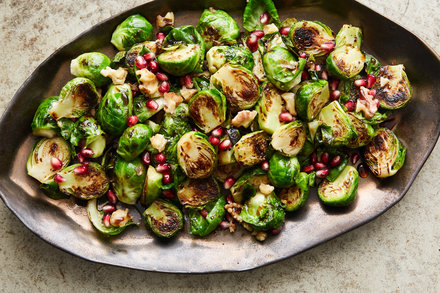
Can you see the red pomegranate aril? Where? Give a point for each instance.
(308, 169)
(152, 105)
(187, 81)
(285, 31)
(328, 46)
(56, 163)
(360, 82)
(325, 158)
(111, 197)
(322, 173)
(160, 36)
(146, 159)
(140, 62)
(371, 80)
(204, 213)
(264, 18)
(224, 225)
(324, 75)
(304, 75)
(252, 42)
(302, 55)
(355, 158)
(58, 178)
(168, 194)
(335, 95)
(372, 92)
(153, 66)
(160, 158)
(319, 166)
(350, 105)
(217, 132)
(229, 182)
(109, 208)
(164, 87)
(80, 170)
(286, 117)
(149, 56)
(132, 120)
(87, 153)
(363, 171)
(259, 34)
(276, 231)
(161, 76)
(318, 67)
(334, 83)
(314, 158)
(80, 158)
(214, 140)
(106, 220)
(335, 161)
(163, 168)
(225, 145)
(167, 179)
(265, 165)
(229, 198)
(85, 163)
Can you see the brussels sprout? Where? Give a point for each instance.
(76, 98)
(251, 148)
(293, 197)
(372, 65)
(115, 108)
(203, 226)
(217, 27)
(141, 110)
(338, 128)
(51, 190)
(96, 216)
(89, 65)
(364, 132)
(66, 127)
(39, 163)
(283, 170)
(349, 36)
(134, 141)
(196, 156)
(253, 11)
(220, 55)
(282, 68)
(134, 29)
(248, 184)
(43, 124)
(289, 139)
(198, 192)
(269, 41)
(345, 62)
(163, 218)
(89, 185)
(88, 134)
(208, 109)
(239, 86)
(128, 179)
(263, 212)
(223, 172)
(385, 154)
(392, 87)
(342, 191)
(308, 37)
(269, 108)
(310, 98)
(152, 186)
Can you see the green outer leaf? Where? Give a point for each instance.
(134, 29)
(201, 226)
(334, 172)
(142, 111)
(52, 190)
(89, 65)
(283, 170)
(134, 141)
(86, 130)
(253, 10)
(43, 124)
(66, 127)
(128, 179)
(372, 65)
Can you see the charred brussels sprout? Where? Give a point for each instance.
(392, 87)
(128, 179)
(289, 139)
(248, 184)
(251, 149)
(345, 62)
(43, 124)
(196, 156)
(134, 141)
(96, 216)
(163, 218)
(310, 98)
(269, 108)
(342, 191)
(134, 29)
(283, 170)
(239, 86)
(92, 183)
(308, 37)
(254, 9)
(89, 65)
(152, 186)
(88, 134)
(385, 154)
(198, 192)
(208, 109)
(364, 131)
(338, 128)
(293, 197)
(115, 108)
(220, 55)
(76, 98)
(217, 27)
(141, 110)
(282, 68)
(203, 226)
(349, 36)
(44, 150)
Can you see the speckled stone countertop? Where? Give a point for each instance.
(399, 251)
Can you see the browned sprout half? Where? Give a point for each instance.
(198, 192)
(251, 149)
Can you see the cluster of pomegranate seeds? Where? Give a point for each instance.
(322, 165)
(286, 117)
(152, 105)
(229, 182)
(56, 163)
(132, 120)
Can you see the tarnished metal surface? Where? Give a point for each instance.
(64, 223)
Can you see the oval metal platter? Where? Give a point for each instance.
(64, 223)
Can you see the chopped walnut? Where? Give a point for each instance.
(119, 218)
(172, 100)
(149, 83)
(366, 103)
(244, 118)
(158, 142)
(187, 93)
(258, 69)
(234, 209)
(266, 189)
(118, 76)
(270, 29)
(261, 236)
(153, 46)
(289, 98)
(163, 21)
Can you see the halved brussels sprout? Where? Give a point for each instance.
(196, 156)
(141, 110)
(183, 60)
(364, 132)
(163, 218)
(152, 186)
(254, 9)
(263, 212)
(134, 141)
(308, 36)
(43, 124)
(76, 98)
(51, 190)
(39, 163)
(128, 179)
(115, 108)
(218, 56)
(293, 197)
(208, 109)
(338, 128)
(342, 191)
(282, 68)
(89, 185)
(283, 170)
(269, 108)
(310, 98)
(385, 154)
(239, 86)
(217, 27)
(289, 139)
(392, 87)
(345, 62)
(248, 184)
(251, 149)
(134, 29)
(198, 192)
(88, 134)
(223, 172)
(203, 226)
(89, 65)
(349, 35)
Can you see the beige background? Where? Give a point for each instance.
(399, 251)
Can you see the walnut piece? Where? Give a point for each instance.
(149, 84)
(172, 100)
(367, 103)
(289, 98)
(163, 21)
(158, 142)
(118, 76)
(266, 189)
(244, 118)
(187, 93)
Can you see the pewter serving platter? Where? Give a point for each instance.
(64, 223)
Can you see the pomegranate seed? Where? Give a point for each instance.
(325, 158)
(303, 55)
(355, 158)
(314, 158)
(335, 95)
(265, 165)
(371, 80)
(252, 42)
(229, 198)
(106, 220)
(187, 81)
(204, 213)
(85, 163)
(229, 182)
(217, 132)
(322, 173)
(149, 56)
(334, 83)
(80, 158)
(350, 105)
(167, 178)
(304, 76)
(214, 140)
(276, 231)
(224, 225)
(87, 153)
(109, 208)
(319, 166)
(160, 36)
(132, 120)
(146, 159)
(286, 117)
(363, 171)
(140, 62)
(308, 169)
(335, 161)
(360, 82)
(225, 145)
(160, 158)
(164, 87)
(258, 34)
(318, 67)
(153, 66)
(264, 18)
(111, 197)
(372, 92)
(324, 75)
(163, 168)
(285, 31)
(328, 46)
(58, 178)
(152, 105)
(80, 170)
(56, 163)
(161, 76)
(168, 193)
